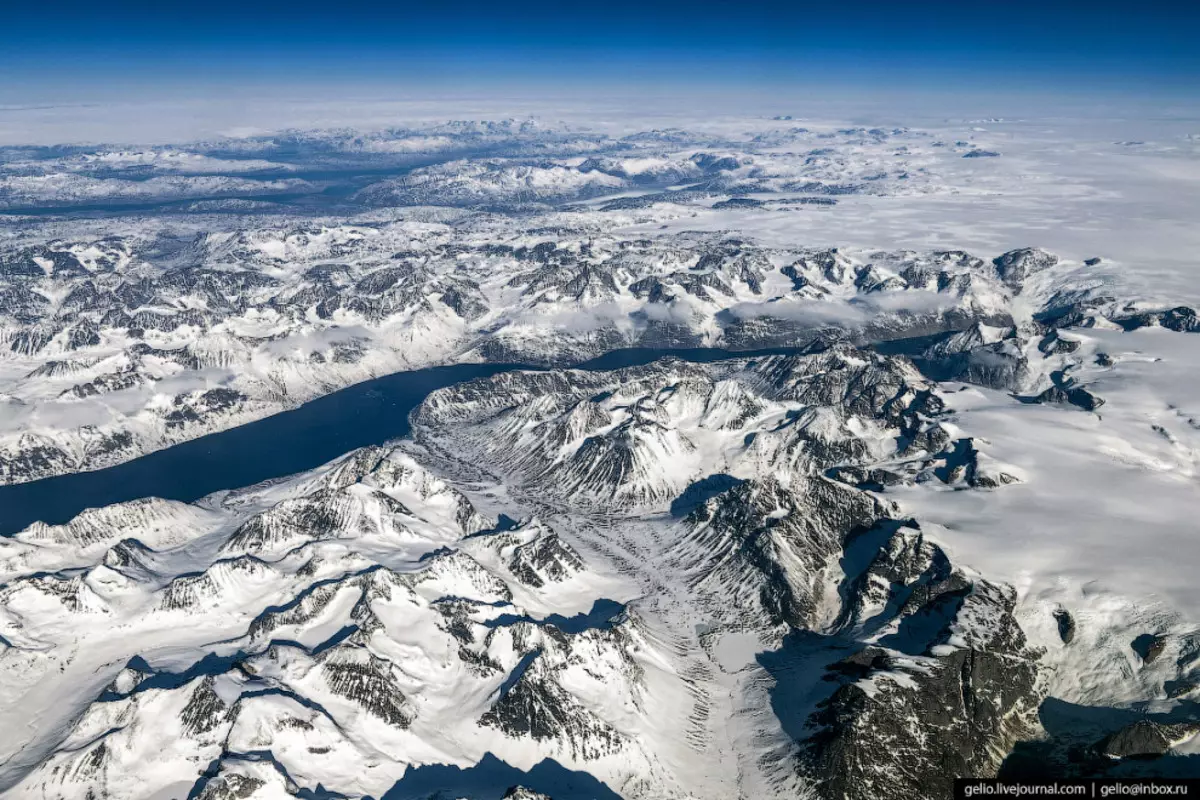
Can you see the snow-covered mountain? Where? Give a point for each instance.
(349, 624)
(377, 619)
(117, 346)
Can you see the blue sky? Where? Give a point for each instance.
(55, 49)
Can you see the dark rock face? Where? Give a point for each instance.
(737, 261)
(231, 787)
(902, 563)
(358, 675)
(981, 154)
(971, 356)
(1181, 319)
(1016, 265)
(84, 334)
(546, 558)
(961, 710)
(961, 463)
(705, 286)
(1066, 625)
(737, 202)
(1149, 647)
(196, 408)
(701, 491)
(711, 162)
(521, 793)
(1054, 343)
(31, 341)
(112, 382)
(1086, 741)
(1146, 738)
(774, 541)
(1073, 395)
(535, 706)
(1075, 308)
(871, 478)
(989, 482)
(313, 516)
(205, 710)
(38, 459)
(947, 695)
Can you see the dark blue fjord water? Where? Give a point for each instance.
(490, 778)
(293, 441)
(605, 613)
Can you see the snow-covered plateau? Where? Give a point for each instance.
(946, 528)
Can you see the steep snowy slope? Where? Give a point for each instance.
(401, 625)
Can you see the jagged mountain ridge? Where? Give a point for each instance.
(328, 656)
(145, 358)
